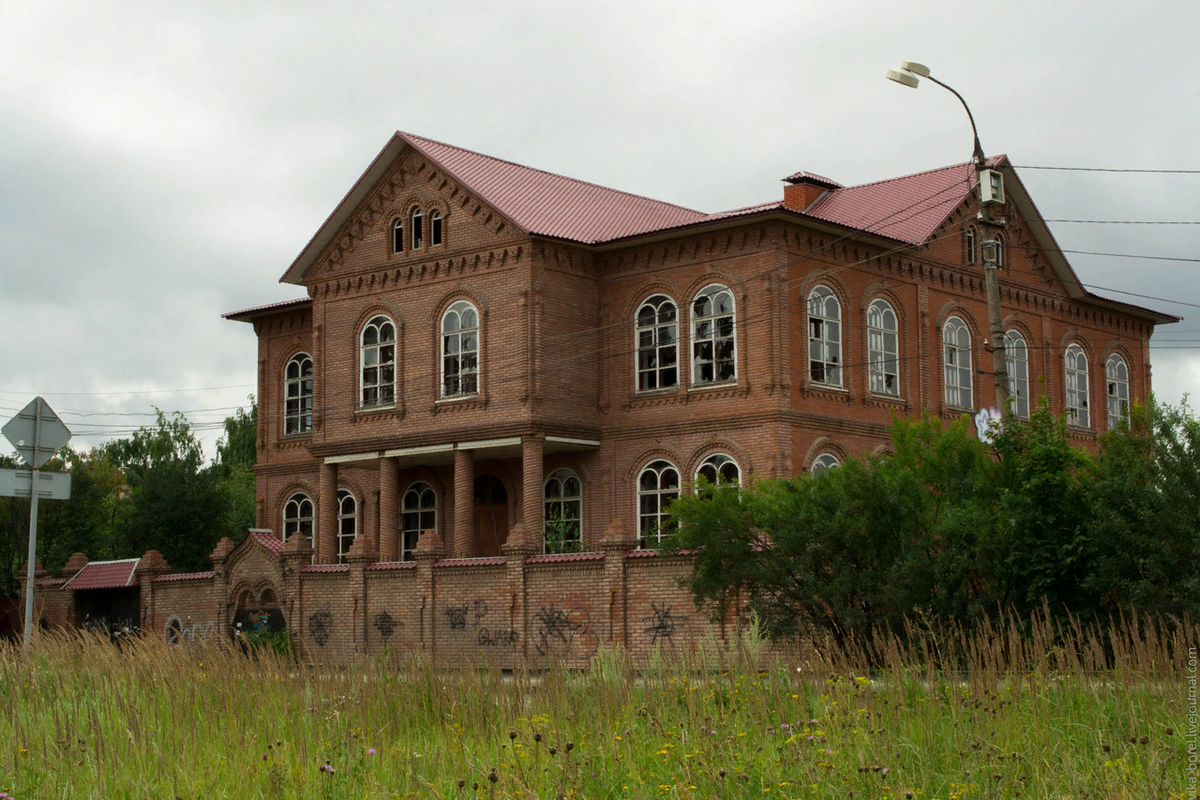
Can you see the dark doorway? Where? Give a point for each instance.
(112, 611)
(491, 516)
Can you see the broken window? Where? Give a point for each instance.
(657, 344)
(1118, 391)
(969, 246)
(298, 517)
(347, 523)
(378, 362)
(435, 228)
(398, 236)
(956, 357)
(563, 505)
(720, 470)
(1016, 359)
(883, 348)
(824, 337)
(713, 349)
(823, 462)
(298, 395)
(416, 228)
(460, 350)
(658, 485)
(418, 513)
(1076, 364)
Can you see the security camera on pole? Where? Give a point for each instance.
(991, 193)
(38, 434)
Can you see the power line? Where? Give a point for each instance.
(1124, 221)
(1111, 169)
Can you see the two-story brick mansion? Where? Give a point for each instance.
(484, 344)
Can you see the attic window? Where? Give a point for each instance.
(435, 228)
(398, 236)
(416, 229)
(970, 246)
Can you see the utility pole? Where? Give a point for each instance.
(990, 192)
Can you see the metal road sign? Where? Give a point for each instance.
(37, 433)
(51, 485)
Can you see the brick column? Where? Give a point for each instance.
(362, 552)
(616, 543)
(221, 585)
(150, 567)
(533, 476)
(519, 546)
(429, 549)
(389, 510)
(464, 504)
(327, 516)
(296, 553)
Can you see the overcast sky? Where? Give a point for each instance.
(163, 163)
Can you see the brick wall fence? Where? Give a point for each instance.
(521, 608)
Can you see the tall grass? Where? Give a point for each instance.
(1026, 709)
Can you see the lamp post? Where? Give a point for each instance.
(990, 185)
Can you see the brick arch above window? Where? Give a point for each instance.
(882, 290)
(460, 291)
(821, 446)
(638, 462)
(707, 279)
(830, 279)
(660, 286)
(956, 309)
(712, 447)
(285, 494)
(377, 308)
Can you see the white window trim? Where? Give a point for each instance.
(362, 352)
(880, 365)
(1011, 364)
(957, 322)
(637, 348)
(711, 460)
(710, 290)
(343, 495)
(288, 381)
(822, 294)
(425, 485)
(561, 474)
(458, 307)
(823, 462)
(1110, 381)
(416, 239)
(644, 543)
(1073, 375)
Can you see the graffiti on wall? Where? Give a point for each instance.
(471, 616)
(320, 627)
(179, 632)
(564, 632)
(386, 624)
(661, 625)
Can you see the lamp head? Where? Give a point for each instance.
(903, 78)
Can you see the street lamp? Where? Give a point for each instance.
(991, 193)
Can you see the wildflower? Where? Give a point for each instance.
(371, 751)
(264, 756)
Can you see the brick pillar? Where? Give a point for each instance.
(519, 546)
(327, 516)
(616, 543)
(221, 584)
(296, 553)
(429, 549)
(533, 476)
(362, 553)
(150, 567)
(464, 504)
(389, 510)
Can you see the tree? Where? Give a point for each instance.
(234, 470)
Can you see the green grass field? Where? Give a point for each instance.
(1051, 714)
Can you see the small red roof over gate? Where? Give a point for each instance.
(105, 575)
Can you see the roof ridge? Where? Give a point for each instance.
(992, 161)
(408, 135)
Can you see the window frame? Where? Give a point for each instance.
(436, 228)
(345, 496)
(419, 489)
(656, 348)
(303, 413)
(1076, 387)
(398, 235)
(819, 326)
(956, 323)
(659, 467)
(823, 462)
(879, 357)
(297, 523)
(563, 475)
(969, 246)
(416, 232)
(1020, 403)
(382, 389)
(459, 308)
(717, 462)
(709, 294)
(1111, 383)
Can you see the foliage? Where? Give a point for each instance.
(561, 534)
(1061, 711)
(279, 642)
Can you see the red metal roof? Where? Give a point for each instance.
(105, 575)
(253, 312)
(487, 561)
(267, 539)
(325, 568)
(185, 576)
(391, 565)
(554, 558)
(553, 205)
(812, 177)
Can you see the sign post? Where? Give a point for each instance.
(38, 434)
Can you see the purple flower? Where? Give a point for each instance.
(264, 756)
(371, 751)
(885, 770)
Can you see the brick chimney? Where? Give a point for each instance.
(805, 188)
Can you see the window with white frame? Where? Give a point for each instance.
(398, 236)
(714, 358)
(435, 228)
(997, 253)
(657, 344)
(378, 360)
(418, 513)
(563, 512)
(720, 470)
(347, 522)
(824, 337)
(298, 395)
(1016, 360)
(658, 485)
(1117, 375)
(883, 348)
(969, 246)
(460, 350)
(298, 517)
(956, 357)
(415, 226)
(1076, 365)
(823, 462)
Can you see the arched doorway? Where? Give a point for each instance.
(258, 611)
(491, 516)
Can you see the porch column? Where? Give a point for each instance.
(389, 509)
(464, 504)
(327, 522)
(533, 476)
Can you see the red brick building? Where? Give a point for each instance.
(487, 350)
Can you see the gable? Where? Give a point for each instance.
(257, 560)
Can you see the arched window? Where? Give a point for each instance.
(1076, 365)
(418, 513)
(658, 485)
(824, 337)
(956, 340)
(823, 462)
(883, 348)
(1117, 375)
(713, 352)
(379, 363)
(1016, 359)
(398, 236)
(969, 246)
(435, 228)
(563, 512)
(298, 395)
(657, 344)
(460, 350)
(720, 470)
(298, 517)
(347, 522)
(415, 218)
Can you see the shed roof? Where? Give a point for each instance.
(105, 575)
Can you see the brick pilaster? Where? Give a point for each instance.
(464, 505)
(327, 516)
(389, 510)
